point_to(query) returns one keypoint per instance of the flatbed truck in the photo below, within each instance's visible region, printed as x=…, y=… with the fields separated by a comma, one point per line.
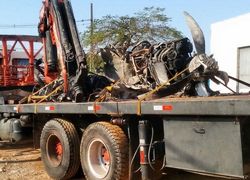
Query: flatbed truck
x=121, y=139
x=124, y=139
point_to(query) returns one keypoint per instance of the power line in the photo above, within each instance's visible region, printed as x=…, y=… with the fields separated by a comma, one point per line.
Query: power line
x=15, y=26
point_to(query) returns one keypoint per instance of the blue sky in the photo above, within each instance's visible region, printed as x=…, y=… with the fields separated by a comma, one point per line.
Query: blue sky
x=26, y=12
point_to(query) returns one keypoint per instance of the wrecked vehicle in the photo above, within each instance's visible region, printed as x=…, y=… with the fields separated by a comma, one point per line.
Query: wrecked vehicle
x=166, y=68
x=161, y=69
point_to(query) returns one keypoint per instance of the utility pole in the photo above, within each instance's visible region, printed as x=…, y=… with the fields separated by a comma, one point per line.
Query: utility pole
x=91, y=27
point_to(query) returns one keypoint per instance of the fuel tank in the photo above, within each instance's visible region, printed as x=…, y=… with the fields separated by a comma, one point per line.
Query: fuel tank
x=11, y=130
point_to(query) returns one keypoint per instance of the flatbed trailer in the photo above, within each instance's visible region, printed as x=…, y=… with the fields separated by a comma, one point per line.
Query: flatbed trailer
x=207, y=135
x=207, y=106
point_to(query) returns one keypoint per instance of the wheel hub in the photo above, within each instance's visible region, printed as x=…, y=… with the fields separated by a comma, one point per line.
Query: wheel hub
x=99, y=159
x=54, y=150
x=59, y=149
x=105, y=155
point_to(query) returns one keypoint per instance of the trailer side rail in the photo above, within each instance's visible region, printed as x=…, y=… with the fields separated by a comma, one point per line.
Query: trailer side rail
x=230, y=105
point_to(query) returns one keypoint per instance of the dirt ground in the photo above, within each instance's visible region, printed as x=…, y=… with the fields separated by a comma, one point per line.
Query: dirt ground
x=22, y=162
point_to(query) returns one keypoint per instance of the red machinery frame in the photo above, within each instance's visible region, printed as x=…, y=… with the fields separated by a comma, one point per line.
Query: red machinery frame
x=7, y=75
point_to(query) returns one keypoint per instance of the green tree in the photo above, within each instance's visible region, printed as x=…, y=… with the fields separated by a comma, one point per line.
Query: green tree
x=95, y=63
x=149, y=24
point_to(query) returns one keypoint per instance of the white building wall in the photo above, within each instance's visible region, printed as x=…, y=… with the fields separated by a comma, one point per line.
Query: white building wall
x=226, y=37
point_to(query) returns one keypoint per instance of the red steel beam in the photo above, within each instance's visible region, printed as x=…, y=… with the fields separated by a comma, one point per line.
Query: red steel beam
x=7, y=78
x=5, y=63
x=31, y=62
x=21, y=38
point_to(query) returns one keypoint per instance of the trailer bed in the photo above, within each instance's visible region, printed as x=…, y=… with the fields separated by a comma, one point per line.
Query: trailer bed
x=220, y=105
x=209, y=135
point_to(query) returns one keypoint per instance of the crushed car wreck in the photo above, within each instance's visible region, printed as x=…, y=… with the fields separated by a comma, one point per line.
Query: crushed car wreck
x=143, y=71
x=167, y=68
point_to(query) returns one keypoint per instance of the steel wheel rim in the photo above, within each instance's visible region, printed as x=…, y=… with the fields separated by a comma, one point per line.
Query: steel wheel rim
x=98, y=158
x=54, y=149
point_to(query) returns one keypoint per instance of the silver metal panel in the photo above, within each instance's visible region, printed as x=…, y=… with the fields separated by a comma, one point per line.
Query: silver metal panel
x=128, y=107
x=200, y=106
x=204, y=145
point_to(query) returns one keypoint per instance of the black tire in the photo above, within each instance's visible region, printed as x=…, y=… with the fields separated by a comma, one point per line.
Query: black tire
x=59, y=144
x=104, y=152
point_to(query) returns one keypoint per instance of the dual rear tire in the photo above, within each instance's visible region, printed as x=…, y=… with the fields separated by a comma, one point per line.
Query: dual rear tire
x=103, y=151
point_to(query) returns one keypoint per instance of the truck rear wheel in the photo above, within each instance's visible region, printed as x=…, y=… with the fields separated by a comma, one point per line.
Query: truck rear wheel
x=104, y=152
x=60, y=149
